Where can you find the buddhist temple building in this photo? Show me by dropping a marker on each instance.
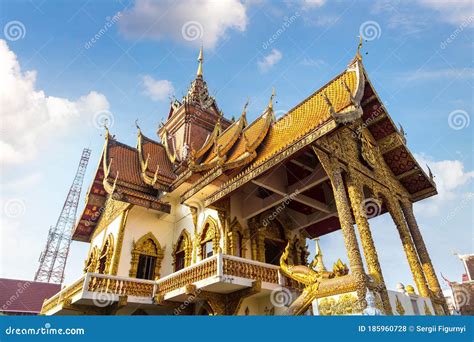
(212, 216)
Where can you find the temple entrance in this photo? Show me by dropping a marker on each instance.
(273, 251)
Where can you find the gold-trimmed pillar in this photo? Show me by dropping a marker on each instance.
(408, 245)
(195, 216)
(426, 264)
(368, 246)
(223, 218)
(334, 171)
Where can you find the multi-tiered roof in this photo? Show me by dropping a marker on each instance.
(235, 152)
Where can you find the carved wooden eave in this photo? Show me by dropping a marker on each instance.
(253, 171)
(150, 177)
(208, 143)
(222, 143)
(126, 191)
(164, 140)
(203, 182)
(392, 144)
(353, 111)
(219, 165)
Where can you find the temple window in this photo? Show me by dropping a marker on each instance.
(274, 242)
(146, 267)
(209, 239)
(182, 251)
(207, 249)
(147, 255)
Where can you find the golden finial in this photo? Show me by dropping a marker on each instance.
(245, 106)
(200, 59)
(138, 127)
(358, 55)
(270, 104)
(244, 112)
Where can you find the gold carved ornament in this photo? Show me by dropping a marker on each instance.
(147, 245)
(105, 257)
(344, 305)
(399, 307)
(90, 263)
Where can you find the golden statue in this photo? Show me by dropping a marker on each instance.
(308, 276)
(311, 276)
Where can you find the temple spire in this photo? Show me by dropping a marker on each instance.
(319, 257)
(200, 59)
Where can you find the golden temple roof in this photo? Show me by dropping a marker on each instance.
(152, 167)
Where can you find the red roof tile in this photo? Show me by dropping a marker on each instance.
(23, 296)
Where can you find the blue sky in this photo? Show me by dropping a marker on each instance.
(58, 85)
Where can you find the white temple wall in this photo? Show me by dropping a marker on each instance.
(413, 304)
(141, 221)
(112, 228)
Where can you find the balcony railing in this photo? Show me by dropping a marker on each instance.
(220, 268)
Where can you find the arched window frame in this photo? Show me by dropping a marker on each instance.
(141, 247)
(210, 231)
(186, 246)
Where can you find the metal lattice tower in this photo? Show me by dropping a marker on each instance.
(54, 256)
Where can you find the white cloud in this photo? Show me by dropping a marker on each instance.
(409, 20)
(454, 12)
(451, 180)
(311, 62)
(270, 60)
(29, 117)
(157, 90)
(428, 75)
(313, 3)
(196, 21)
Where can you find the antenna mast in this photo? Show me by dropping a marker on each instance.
(52, 261)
